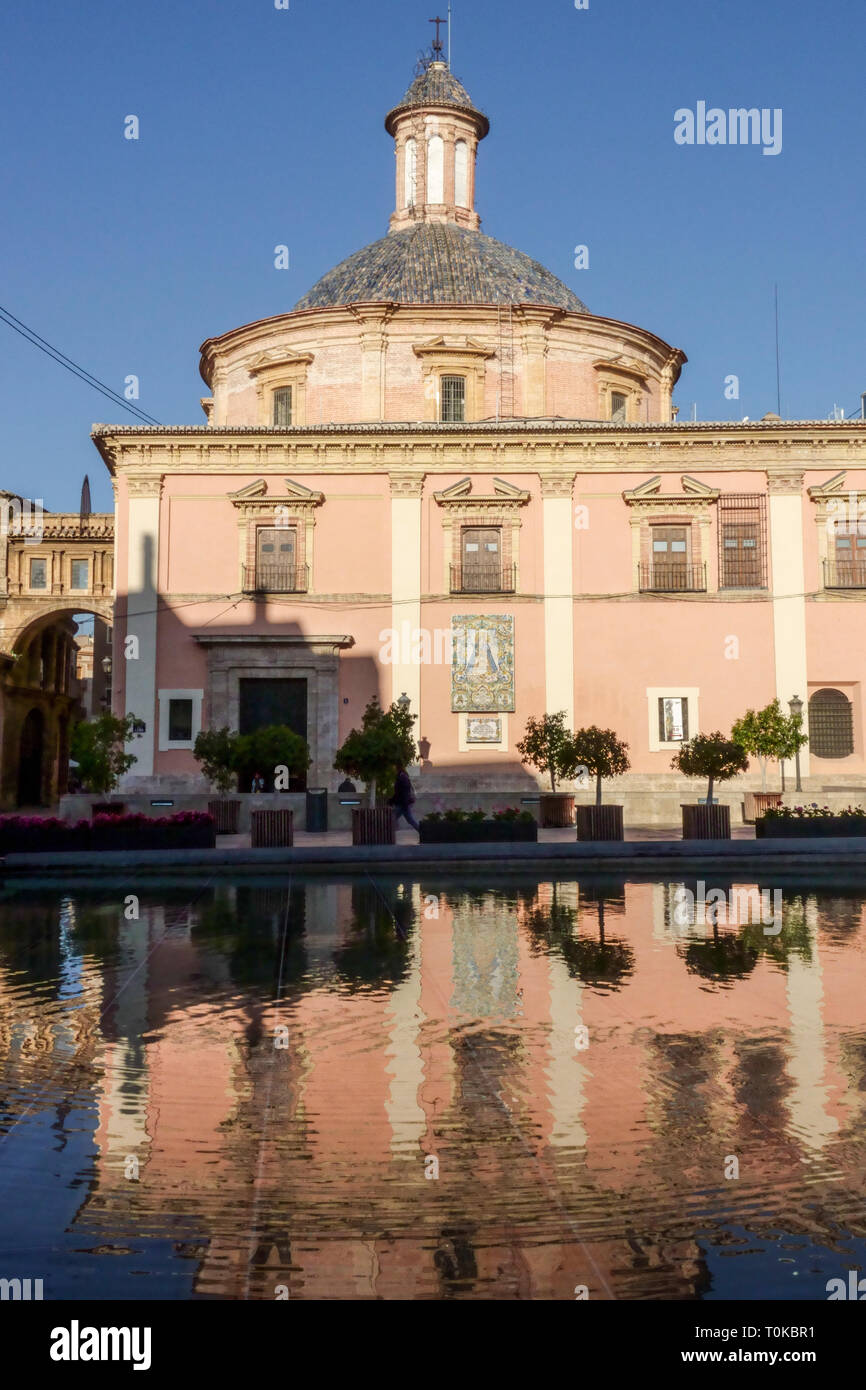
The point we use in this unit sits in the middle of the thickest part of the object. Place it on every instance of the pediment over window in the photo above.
(834, 487)
(503, 495)
(649, 493)
(279, 358)
(255, 496)
(439, 348)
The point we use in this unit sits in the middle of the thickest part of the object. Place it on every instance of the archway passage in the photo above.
(30, 759)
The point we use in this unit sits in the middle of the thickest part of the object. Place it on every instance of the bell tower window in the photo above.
(410, 172)
(461, 174)
(435, 169)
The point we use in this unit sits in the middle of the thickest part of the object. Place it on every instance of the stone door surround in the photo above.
(232, 657)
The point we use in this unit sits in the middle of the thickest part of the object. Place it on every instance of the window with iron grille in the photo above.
(618, 407)
(831, 724)
(743, 541)
(283, 406)
(39, 574)
(453, 398)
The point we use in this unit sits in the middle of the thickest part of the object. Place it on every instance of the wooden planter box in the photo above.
(373, 826)
(756, 803)
(599, 823)
(556, 810)
(478, 832)
(272, 829)
(226, 815)
(817, 829)
(706, 822)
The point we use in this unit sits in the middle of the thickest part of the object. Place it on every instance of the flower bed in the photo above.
(474, 827)
(47, 835)
(810, 822)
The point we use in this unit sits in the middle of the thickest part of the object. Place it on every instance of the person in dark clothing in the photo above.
(403, 798)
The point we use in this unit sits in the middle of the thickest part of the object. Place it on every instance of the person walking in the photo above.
(403, 798)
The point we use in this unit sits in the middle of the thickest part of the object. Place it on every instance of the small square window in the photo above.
(79, 574)
(180, 721)
(39, 573)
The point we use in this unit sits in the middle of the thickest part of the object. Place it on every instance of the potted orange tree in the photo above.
(214, 750)
(371, 754)
(547, 746)
(718, 759)
(603, 754)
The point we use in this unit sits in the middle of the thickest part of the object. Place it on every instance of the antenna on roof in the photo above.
(778, 368)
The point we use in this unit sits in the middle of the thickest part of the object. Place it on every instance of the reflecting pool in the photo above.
(435, 1089)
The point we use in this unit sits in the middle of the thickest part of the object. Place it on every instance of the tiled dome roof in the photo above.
(437, 86)
(440, 263)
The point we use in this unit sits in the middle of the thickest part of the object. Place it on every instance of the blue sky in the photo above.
(261, 126)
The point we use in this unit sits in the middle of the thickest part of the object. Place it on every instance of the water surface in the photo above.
(383, 1088)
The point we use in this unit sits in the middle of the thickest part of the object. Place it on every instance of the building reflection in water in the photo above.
(393, 1089)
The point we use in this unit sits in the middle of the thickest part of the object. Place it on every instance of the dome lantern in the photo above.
(436, 131)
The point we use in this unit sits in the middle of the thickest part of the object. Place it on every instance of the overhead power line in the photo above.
(31, 336)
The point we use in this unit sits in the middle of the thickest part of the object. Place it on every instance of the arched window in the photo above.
(410, 173)
(461, 174)
(831, 724)
(435, 170)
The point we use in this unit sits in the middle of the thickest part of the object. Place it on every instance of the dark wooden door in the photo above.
(481, 559)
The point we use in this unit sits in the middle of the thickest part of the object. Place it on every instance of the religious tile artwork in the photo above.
(485, 960)
(482, 663)
(485, 730)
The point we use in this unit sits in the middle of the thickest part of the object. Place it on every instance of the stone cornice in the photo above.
(288, 639)
(98, 526)
(486, 446)
(407, 484)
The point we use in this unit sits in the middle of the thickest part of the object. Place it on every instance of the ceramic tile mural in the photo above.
(482, 664)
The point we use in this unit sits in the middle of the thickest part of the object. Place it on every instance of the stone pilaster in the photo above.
(406, 500)
(558, 521)
(789, 584)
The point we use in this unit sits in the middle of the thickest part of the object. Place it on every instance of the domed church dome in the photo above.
(435, 252)
(440, 263)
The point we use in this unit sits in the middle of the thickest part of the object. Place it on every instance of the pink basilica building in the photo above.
(441, 476)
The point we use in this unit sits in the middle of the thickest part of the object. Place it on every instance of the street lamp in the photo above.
(105, 663)
(404, 702)
(796, 708)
